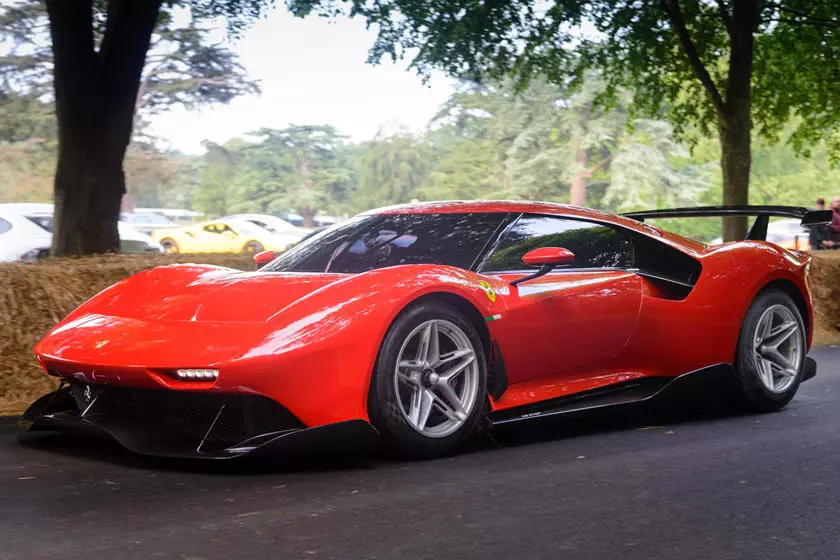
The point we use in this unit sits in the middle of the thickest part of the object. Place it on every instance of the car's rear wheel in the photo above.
(771, 352)
(252, 248)
(170, 247)
(430, 383)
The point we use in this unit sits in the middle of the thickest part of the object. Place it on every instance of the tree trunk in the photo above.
(735, 164)
(735, 125)
(733, 109)
(95, 95)
(87, 200)
(577, 190)
(308, 215)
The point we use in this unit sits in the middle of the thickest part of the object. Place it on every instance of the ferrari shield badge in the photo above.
(488, 290)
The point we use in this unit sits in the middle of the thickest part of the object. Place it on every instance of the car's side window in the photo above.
(213, 228)
(595, 245)
(4, 226)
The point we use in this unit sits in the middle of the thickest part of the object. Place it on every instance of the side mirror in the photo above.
(264, 257)
(547, 258)
(554, 256)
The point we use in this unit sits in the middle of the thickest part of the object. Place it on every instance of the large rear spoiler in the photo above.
(809, 218)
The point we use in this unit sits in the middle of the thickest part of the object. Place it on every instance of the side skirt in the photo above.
(718, 376)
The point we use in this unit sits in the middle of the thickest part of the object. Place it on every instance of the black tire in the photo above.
(385, 411)
(252, 248)
(170, 246)
(754, 395)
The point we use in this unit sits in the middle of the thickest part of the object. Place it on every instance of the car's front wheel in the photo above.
(771, 352)
(252, 248)
(430, 382)
(170, 246)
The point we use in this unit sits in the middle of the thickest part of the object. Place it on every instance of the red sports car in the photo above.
(416, 323)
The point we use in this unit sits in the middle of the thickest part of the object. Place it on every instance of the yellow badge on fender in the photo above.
(488, 290)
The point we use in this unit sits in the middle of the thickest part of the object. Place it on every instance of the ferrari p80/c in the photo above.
(415, 323)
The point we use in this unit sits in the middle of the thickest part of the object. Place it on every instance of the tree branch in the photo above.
(803, 17)
(587, 173)
(725, 15)
(672, 8)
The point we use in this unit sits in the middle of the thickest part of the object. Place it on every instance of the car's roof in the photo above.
(520, 206)
(245, 216)
(23, 208)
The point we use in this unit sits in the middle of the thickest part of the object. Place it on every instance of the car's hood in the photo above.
(207, 294)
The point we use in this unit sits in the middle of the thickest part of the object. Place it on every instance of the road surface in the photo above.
(641, 485)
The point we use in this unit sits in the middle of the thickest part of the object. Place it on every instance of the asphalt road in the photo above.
(684, 484)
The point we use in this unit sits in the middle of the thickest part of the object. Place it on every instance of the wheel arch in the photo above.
(791, 289)
(466, 308)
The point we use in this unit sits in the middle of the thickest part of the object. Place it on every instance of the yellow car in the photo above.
(219, 236)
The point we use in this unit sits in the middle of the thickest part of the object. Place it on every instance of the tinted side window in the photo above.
(454, 239)
(448, 239)
(4, 226)
(594, 245)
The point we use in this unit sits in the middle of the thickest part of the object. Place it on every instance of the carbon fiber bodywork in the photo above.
(183, 424)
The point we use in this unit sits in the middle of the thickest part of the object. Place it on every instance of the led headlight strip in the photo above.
(197, 374)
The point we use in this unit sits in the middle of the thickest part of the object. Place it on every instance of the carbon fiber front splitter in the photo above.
(56, 412)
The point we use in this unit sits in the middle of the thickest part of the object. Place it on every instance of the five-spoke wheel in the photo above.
(771, 351)
(430, 382)
(436, 378)
(778, 348)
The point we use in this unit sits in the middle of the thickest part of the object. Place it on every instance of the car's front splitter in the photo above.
(214, 435)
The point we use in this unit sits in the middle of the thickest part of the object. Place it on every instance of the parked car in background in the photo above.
(147, 223)
(232, 235)
(275, 225)
(317, 222)
(785, 233)
(21, 238)
(26, 233)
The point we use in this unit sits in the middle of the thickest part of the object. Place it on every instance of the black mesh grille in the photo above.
(190, 415)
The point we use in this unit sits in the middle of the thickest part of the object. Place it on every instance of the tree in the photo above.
(724, 65)
(97, 59)
(214, 195)
(303, 168)
(391, 170)
(157, 179)
(313, 174)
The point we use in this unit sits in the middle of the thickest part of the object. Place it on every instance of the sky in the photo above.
(311, 71)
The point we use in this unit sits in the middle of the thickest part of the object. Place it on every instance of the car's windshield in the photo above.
(147, 219)
(368, 242)
(272, 224)
(244, 227)
(43, 221)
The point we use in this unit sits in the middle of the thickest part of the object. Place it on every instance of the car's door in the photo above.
(571, 318)
(10, 247)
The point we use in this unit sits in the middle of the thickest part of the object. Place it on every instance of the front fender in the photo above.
(318, 353)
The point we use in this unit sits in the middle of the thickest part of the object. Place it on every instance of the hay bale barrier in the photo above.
(34, 297)
(825, 289)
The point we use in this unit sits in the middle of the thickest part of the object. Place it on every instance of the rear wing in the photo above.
(808, 218)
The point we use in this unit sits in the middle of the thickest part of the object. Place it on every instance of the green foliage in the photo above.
(183, 67)
(487, 141)
(24, 117)
(634, 45)
(158, 179)
(304, 168)
(391, 170)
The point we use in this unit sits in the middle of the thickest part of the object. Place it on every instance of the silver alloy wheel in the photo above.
(778, 348)
(436, 378)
